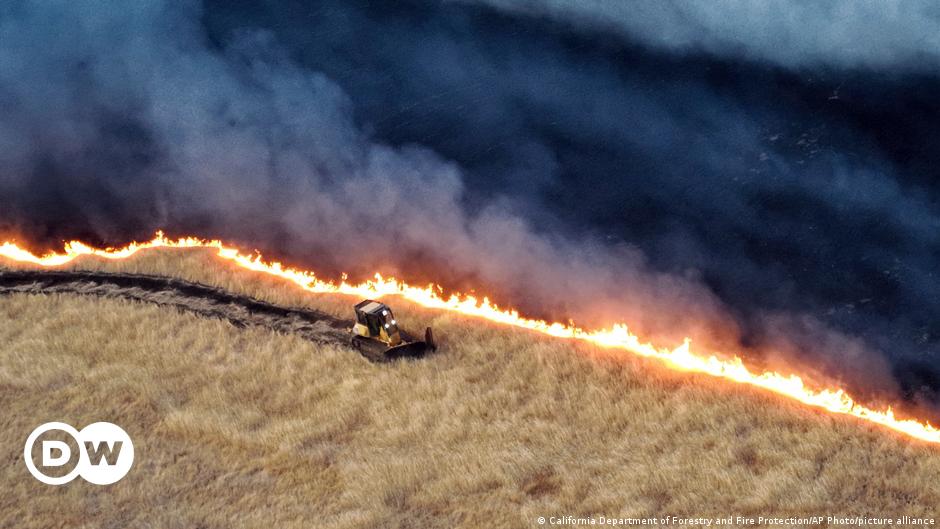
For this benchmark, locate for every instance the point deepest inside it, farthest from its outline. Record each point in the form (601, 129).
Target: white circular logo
(105, 453)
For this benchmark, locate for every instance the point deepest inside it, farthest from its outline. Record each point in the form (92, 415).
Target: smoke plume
(792, 33)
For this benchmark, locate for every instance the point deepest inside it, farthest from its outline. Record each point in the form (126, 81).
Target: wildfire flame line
(618, 336)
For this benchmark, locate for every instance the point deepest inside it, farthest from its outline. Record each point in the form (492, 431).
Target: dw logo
(105, 453)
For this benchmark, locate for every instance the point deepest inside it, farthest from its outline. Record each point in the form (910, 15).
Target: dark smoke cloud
(571, 172)
(124, 118)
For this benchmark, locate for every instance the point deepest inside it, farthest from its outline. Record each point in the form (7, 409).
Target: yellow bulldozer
(376, 334)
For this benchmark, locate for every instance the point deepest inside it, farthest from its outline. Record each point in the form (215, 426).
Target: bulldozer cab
(375, 320)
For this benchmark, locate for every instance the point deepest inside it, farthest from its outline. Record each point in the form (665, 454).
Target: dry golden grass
(247, 428)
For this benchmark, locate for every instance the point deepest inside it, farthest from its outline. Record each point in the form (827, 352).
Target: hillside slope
(249, 428)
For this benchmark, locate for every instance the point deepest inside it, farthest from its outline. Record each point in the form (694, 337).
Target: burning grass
(829, 396)
(245, 428)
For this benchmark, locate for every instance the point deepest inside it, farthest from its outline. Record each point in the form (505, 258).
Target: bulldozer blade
(429, 339)
(406, 350)
(377, 351)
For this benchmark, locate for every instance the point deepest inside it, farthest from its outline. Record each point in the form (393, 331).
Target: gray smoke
(128, 110)
(792, 33)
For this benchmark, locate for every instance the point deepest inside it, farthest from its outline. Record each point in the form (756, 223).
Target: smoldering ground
(754, 203)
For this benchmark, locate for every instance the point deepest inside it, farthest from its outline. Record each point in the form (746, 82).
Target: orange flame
(619, 337)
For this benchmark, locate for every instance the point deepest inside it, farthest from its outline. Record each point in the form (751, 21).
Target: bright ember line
(681, 358)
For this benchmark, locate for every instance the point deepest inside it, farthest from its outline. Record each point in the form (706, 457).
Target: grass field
(247, 428)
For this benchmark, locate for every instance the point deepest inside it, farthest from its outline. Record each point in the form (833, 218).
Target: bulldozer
(376, 334)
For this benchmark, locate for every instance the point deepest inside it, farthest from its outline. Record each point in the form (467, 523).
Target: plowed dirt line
(203, 300)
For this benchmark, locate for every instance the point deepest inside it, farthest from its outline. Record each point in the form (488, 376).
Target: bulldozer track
(196, 298)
